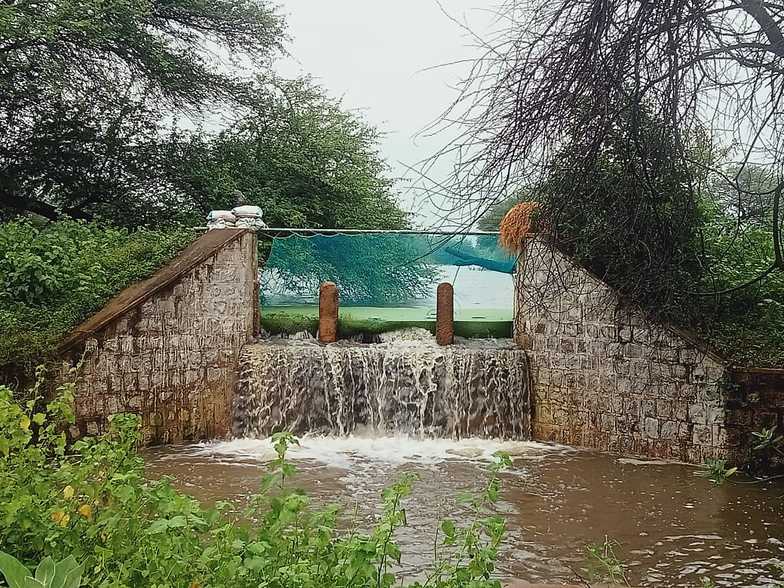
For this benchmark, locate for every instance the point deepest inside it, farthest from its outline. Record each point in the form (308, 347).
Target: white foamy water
(347, 452)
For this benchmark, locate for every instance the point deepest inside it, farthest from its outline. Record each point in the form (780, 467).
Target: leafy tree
(633, 224)
(374, 269)
(584, 73)
(299, 156)
(565, 69)
(86, 86)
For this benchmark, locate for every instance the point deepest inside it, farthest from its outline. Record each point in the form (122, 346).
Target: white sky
(373, 54)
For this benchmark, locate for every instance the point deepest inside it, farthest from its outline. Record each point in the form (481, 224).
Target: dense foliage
(149, 114)
(91, 500)
(147, 111)
(86, 89)
(54, 276)
(746, 323)
(631, 220)
(299, 156)
(682, 243)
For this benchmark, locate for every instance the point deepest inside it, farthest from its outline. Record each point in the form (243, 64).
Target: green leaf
(178, 522)
(158, 526)
(62, 569)
(13, 571)
(73, 579)
(45, 571)
(448, 527)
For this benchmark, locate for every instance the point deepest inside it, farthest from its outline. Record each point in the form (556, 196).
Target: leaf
(39, 418)
(448, 527)
(254, 563)
(45, 571)
(73, 579)
(62, 569)
(13, 571)
(178, 522)
(158, 526)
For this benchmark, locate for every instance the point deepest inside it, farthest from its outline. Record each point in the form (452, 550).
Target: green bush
(745, 325)
(91, 500)
(54, 277)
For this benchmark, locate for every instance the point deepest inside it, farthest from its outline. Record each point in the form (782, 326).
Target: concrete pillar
(445, 314)
(329, 304)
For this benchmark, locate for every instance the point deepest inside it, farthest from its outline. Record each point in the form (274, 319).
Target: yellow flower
(24, 423)
(61, 518)
(86, 511)
(68, 492)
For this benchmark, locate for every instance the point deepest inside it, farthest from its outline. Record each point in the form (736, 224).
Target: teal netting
(388, 277)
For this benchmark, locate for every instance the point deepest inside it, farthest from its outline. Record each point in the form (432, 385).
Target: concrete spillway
(407, 387)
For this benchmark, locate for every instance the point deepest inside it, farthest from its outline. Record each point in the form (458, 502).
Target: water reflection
(673, 527)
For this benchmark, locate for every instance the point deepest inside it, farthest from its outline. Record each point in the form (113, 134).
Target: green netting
(388, 280)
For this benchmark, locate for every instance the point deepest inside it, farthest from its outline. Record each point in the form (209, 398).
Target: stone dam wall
(167, 348)
(604, 377)
(174, 349)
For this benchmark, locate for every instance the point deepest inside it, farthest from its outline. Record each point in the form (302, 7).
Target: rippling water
(673, 527)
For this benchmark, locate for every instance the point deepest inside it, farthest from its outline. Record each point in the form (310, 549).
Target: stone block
(698, 414)
(688, 356)
(669, 430)
(651, 428)
(664, 408)
(715, 415)
(702, 435)
(720, 438)
(633, 350)
(680, 411)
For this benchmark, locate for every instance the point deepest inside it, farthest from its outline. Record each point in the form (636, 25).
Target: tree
(299, 156)
(565, 69)
(85, 88)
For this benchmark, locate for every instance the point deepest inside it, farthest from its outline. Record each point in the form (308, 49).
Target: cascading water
(398, 386)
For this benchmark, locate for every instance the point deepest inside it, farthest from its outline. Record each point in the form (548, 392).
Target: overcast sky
(374, 54)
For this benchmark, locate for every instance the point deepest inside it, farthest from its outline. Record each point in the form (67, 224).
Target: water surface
(673, 527)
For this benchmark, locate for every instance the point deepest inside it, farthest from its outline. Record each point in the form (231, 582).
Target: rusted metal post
(329, 304)
(445, 314)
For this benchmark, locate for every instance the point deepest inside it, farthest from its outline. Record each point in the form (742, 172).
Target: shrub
(91, 500)
(54, 277)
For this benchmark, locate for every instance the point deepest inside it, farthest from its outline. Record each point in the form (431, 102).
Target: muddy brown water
(672, 527)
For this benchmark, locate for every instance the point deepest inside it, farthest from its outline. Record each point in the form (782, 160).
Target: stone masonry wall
(605, 378)
(173, 358)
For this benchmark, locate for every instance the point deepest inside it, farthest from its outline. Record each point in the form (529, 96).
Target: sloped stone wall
(173, 357)
(605, 378)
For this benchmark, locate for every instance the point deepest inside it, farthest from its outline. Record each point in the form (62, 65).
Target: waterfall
(401, 386)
